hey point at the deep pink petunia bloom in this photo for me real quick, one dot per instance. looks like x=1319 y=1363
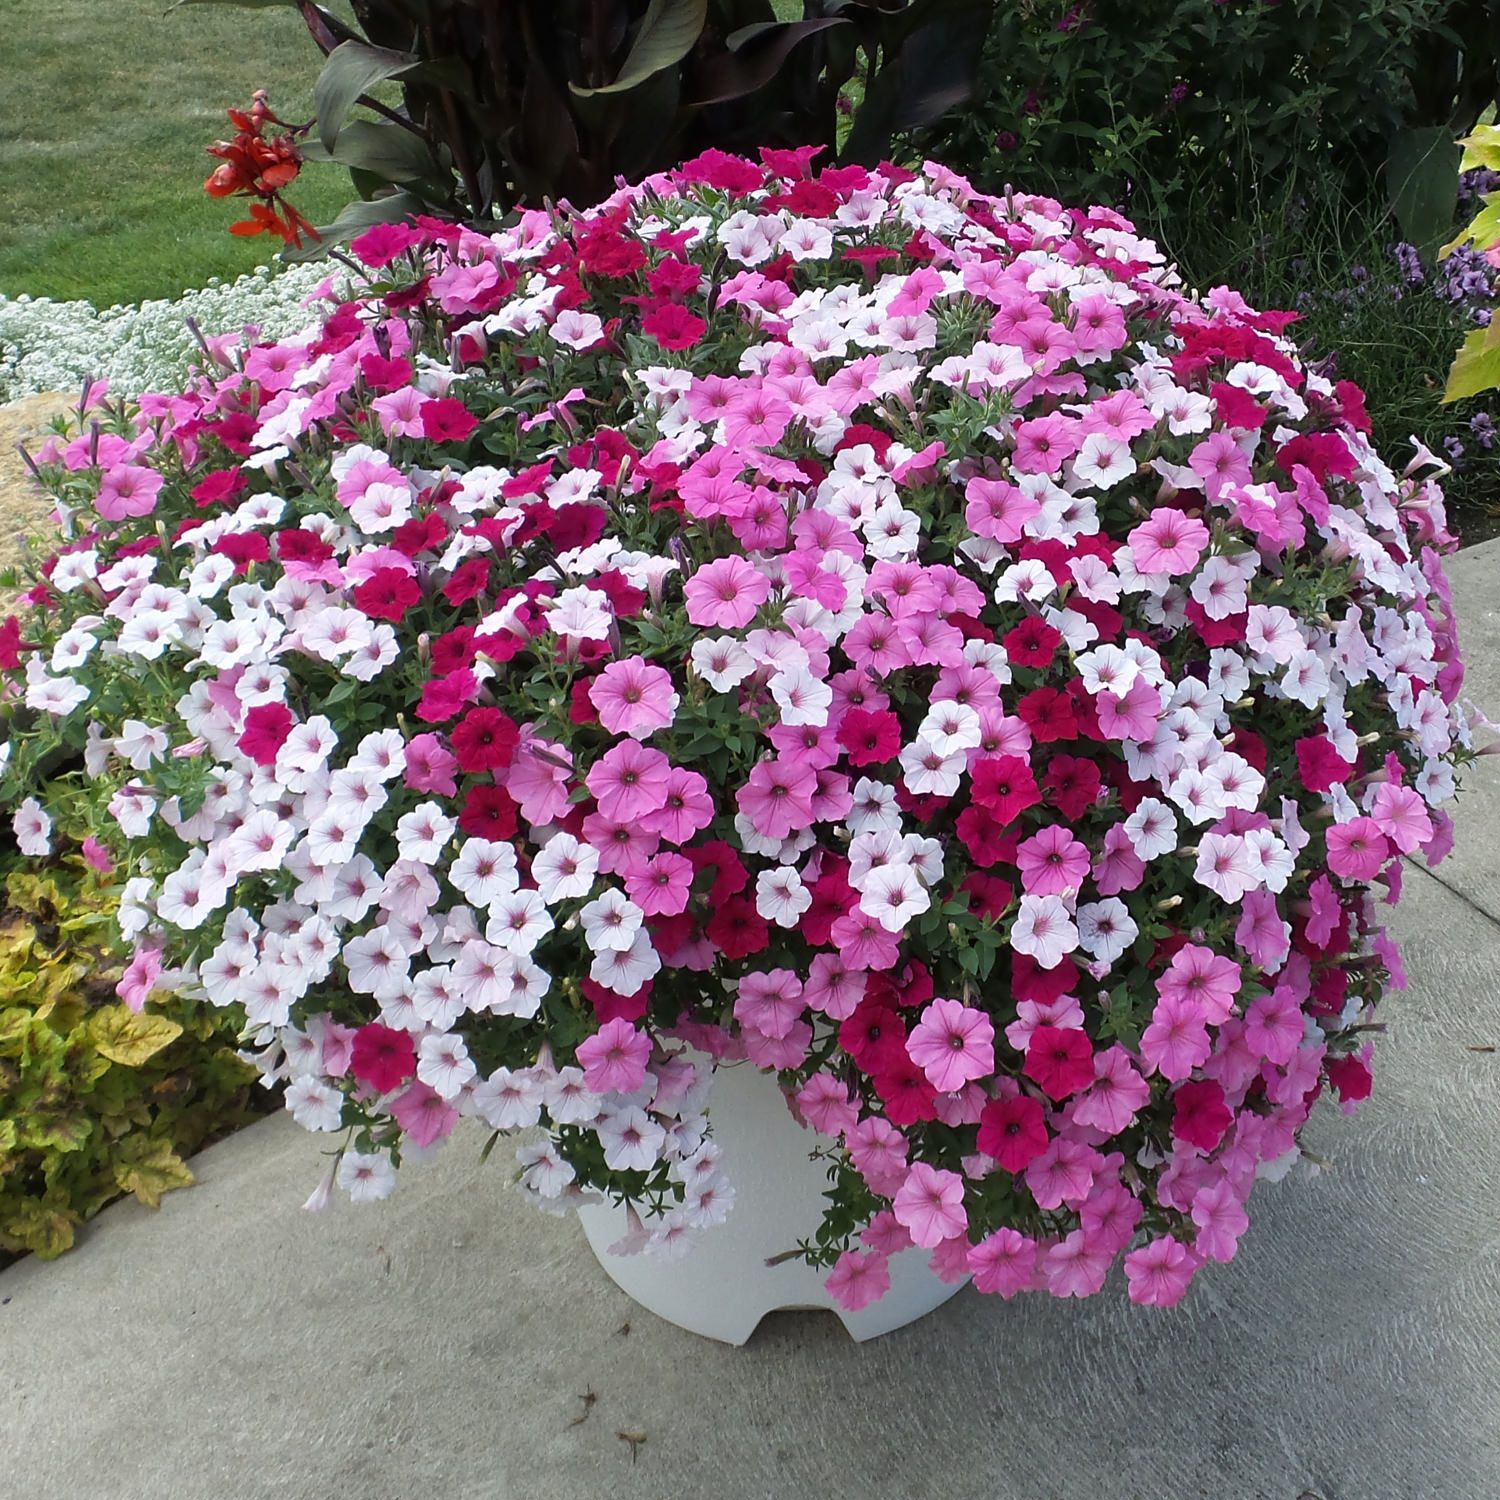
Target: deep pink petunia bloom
x=267 y=726
x=1201 y=1115
x=1061 y=1060
x=1013 y=1130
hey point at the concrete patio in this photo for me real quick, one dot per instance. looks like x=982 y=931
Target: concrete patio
x=451 y=1342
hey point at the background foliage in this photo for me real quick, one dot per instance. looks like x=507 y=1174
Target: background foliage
x=1190 y=106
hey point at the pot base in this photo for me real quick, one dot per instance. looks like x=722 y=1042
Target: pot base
x=722 y=1287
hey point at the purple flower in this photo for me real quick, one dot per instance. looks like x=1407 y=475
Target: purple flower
x=1408 y=263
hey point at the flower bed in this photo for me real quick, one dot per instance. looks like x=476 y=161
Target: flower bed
x=835 y=619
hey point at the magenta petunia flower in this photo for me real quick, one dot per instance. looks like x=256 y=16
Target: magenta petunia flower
x=1357 y=850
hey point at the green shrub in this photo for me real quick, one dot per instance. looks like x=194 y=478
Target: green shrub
x=1164 y=104
x=95 y=1099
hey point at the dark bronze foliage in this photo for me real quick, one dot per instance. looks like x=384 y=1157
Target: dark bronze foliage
x=504 y=103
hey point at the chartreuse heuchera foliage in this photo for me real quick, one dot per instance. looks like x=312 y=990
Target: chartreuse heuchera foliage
x=1476 y=367
x=96 y=1099
x=826 y=617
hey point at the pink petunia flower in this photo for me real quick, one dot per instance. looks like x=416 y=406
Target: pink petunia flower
x=128 y=490
x=858 y=1278
x=139 y=977
x=1052 y=862
x=726 y=593
x=1159 y=1273
x=1168 y=543
x=930 y=1205
x=634 y=697
x=777 y=797
x=1199 y=977
x=952 y=1044
x=423 y=1113
x=1004 y=1262
x=1357 y=850
x=1176 y=1041
x=614 y=1058
x=628 y=781
x=1077 y=1266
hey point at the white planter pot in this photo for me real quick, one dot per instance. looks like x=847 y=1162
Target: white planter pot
x=722 y=1287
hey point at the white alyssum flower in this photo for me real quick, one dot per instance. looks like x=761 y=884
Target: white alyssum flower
x=47 y=345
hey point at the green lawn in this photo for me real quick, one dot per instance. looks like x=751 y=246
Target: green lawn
x=105 y=109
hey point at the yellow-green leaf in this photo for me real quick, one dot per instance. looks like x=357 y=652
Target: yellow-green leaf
x=1484 y=230
x=56 y=1130
x=1476 y=368
x=128 y=1038
x=150 y=1168
x=1482 y=149
x=46 y=1232
x=15 y=1024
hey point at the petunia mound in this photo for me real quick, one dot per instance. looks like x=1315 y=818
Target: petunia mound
x=824 y=617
